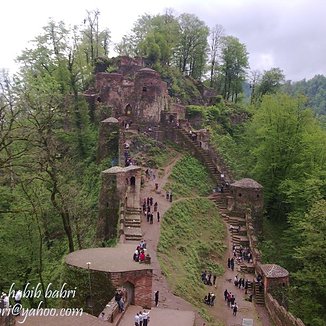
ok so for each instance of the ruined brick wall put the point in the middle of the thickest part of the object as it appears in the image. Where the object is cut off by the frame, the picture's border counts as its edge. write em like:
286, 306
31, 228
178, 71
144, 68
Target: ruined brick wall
151, 96
88, 283
142, 282
179, 109
129, 66
113, 188
108, 87
279, 315
108, 142
133, 174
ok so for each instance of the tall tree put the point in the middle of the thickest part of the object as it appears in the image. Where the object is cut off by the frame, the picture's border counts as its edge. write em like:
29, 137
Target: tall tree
192, 48
271, 82
276, 136
215, 44
234, 62
309, 293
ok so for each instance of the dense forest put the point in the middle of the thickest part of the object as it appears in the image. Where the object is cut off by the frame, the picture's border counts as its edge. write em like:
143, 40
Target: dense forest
49, 178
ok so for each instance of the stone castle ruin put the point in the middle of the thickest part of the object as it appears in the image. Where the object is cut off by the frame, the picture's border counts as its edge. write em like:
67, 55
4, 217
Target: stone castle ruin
122, 101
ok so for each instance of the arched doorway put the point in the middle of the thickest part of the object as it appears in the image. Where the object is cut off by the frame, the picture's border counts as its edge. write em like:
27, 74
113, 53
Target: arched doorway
128, 110
133, 181
130, 293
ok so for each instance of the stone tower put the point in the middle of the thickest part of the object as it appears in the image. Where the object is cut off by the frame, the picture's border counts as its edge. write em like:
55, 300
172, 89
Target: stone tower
248, 194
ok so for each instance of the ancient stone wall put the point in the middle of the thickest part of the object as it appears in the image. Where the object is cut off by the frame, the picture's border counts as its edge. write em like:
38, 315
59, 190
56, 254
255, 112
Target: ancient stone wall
133, 92
279, 315
142, 282
113, 186
108, 143
94, 289
150, 94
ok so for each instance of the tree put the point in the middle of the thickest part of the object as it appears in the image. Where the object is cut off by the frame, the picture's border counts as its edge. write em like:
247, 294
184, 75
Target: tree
271, 82
8, 127
234, 62
309, 291
276, 138
216, 34
192, 47
254, 79
96, 42
153, 37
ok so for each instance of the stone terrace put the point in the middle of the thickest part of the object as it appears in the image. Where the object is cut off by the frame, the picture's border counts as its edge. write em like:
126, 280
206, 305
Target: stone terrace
117, 259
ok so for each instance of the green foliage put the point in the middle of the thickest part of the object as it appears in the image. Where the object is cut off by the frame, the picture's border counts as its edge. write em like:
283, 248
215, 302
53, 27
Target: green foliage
225, 136
279, 136
270, 82
189, 177
233, 67
149, 152
192, 45
314, 89
309, 280
87, 284
191, 240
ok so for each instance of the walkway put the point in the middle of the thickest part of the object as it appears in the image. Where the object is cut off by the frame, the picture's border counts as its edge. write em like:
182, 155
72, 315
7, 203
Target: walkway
220, 311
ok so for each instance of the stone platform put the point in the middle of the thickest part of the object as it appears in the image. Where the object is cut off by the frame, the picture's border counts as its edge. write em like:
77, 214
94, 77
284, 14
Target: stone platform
112, 260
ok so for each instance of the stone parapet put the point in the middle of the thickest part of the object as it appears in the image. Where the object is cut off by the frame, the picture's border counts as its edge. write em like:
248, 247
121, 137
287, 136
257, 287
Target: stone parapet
279, 315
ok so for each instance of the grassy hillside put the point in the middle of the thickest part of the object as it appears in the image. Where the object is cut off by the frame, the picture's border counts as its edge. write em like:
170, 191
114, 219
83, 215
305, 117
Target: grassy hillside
191, 241
189, 178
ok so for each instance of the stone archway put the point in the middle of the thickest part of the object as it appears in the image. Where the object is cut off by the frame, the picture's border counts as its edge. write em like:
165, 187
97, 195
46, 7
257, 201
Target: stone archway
129, 292
128, 110
132, 181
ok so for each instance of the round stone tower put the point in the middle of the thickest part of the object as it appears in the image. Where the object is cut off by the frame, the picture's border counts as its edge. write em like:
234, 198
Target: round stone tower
151, 95
248, 194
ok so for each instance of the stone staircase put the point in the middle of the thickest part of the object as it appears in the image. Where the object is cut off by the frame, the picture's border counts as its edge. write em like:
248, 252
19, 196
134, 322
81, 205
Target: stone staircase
203, 155
259, 294
132, 224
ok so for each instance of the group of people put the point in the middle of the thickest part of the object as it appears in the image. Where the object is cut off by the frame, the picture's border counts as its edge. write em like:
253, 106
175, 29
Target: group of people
140, 252
148, 203
240, 254
208, 278
142, 318
231, 263
241, 283
5, 300
229, 298
128, 160
169, 196
120, 300
150, 175
209, 299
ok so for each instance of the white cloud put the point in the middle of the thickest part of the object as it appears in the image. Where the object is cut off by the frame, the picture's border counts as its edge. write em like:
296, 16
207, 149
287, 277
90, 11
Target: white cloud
282, 33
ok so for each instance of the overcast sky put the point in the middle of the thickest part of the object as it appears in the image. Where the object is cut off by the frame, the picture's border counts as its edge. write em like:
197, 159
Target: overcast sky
289, 34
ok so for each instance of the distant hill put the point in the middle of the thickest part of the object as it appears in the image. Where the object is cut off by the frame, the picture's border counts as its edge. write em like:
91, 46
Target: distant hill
314, 89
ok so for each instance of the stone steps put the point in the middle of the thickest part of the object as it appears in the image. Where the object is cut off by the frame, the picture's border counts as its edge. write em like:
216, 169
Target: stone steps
259, 295
133, 233
236, 221
132, 223
132, 210
240, 240
247, 268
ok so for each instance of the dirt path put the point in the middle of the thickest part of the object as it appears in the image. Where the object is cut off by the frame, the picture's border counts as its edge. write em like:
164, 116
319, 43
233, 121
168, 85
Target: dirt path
151, 235
167, 298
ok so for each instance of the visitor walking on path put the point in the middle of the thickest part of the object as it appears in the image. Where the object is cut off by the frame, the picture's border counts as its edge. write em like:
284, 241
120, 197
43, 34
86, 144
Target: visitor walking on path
156, 296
